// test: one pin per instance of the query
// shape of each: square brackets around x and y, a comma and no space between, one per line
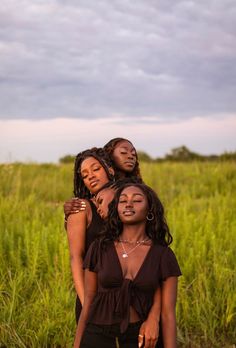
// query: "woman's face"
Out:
[93,174]
[124,156]
[103,199]
[132,205]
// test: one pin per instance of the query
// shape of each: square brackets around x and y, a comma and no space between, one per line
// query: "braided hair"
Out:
[80,190]
[110,147]
[156,229]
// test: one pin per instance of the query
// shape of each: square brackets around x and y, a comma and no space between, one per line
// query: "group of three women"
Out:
[124,273]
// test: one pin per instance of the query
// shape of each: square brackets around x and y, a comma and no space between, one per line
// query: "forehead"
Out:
[108,191]
[88,162]
[124,143]
[131,190]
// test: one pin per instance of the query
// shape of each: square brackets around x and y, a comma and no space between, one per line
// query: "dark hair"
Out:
[110,147]
[80,190]
[157,229]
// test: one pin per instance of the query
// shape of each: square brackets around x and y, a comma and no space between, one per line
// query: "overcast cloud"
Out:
[163,59]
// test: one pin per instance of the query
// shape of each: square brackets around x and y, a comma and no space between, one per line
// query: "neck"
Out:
[134,233]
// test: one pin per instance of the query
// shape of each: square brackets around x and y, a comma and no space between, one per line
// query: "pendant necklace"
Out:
[125,253]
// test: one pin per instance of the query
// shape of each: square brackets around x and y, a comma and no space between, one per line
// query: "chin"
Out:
[129,170]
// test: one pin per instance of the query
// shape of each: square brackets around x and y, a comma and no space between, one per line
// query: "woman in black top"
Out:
[92,171]
[124,273]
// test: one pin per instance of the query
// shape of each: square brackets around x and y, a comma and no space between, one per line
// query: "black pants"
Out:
[109,336]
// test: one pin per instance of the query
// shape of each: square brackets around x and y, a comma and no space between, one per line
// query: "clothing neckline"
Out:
[141,266]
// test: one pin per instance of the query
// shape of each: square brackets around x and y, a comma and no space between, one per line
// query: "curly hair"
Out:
[80,190]
[110,147]
[157,229]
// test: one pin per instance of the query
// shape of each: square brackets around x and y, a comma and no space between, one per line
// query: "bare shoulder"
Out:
[81,216]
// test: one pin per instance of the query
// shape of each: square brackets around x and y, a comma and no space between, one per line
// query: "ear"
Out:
[111,171]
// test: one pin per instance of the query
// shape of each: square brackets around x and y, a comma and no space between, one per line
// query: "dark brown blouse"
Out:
[116,294]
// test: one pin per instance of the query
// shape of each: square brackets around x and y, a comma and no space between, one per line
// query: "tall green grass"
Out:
[36,290]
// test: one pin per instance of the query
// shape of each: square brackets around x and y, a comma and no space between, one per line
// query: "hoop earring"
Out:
[150,216]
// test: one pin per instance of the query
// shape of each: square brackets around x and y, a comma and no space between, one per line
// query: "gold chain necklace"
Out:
[125,253]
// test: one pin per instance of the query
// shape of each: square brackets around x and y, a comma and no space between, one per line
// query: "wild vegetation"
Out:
[36,290]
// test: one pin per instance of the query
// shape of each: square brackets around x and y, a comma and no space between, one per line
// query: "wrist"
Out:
[154,318]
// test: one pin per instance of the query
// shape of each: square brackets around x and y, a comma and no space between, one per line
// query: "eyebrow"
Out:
[134,194]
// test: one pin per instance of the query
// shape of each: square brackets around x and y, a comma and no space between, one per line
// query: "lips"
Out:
[128,212]
[93,183]
[129,163]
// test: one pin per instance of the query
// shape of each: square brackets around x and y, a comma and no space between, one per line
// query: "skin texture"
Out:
[102,201]
[94,177]
[124,156]
[132,210]
[93,174]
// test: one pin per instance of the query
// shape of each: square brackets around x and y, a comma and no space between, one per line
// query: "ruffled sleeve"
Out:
[169,265]
[91,260]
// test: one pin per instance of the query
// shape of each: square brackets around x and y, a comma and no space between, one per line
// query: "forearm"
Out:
[78,277]
[155,311]
[169,330]
[80,328]
[82,321]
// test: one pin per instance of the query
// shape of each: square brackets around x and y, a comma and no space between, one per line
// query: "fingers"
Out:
[81,205]
[78,206]
[140,340]
[150,342]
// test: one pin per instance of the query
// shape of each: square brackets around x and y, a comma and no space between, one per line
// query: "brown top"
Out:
[116,294]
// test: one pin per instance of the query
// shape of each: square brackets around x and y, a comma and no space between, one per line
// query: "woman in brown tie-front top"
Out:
[124,272]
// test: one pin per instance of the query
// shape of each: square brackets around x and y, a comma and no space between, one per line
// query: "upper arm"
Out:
[169,294]
[76,232]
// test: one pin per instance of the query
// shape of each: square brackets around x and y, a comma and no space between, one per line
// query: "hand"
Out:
[148,334]
[74,205]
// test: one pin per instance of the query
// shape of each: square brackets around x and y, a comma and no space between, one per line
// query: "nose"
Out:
[131,155]
[91,175]
[100,212]
[129,204]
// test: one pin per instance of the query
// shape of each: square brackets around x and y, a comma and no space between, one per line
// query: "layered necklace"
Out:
[125,253]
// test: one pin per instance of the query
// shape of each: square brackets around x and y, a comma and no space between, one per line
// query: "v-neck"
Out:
[140,268]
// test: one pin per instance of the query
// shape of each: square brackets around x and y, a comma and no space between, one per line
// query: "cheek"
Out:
[144,210]
[119,209]
[103,176]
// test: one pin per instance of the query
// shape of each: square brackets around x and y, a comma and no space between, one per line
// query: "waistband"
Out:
[112,329]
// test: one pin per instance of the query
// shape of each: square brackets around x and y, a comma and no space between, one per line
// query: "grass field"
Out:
[36,290]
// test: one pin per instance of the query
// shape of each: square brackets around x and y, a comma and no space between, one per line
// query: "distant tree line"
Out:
[178,154]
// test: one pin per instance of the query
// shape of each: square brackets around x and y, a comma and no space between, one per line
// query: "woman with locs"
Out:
[124,272]
[124,161]
[92,171]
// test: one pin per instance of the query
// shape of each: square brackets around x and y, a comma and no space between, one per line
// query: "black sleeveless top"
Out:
[92,232]
[94,227]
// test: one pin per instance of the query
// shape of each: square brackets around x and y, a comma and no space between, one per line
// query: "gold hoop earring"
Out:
[150,216]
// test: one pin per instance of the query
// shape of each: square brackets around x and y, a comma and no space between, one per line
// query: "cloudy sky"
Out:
[75,73]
